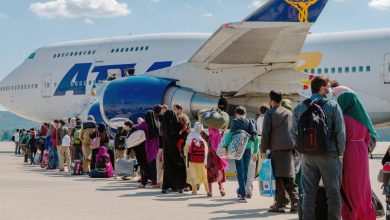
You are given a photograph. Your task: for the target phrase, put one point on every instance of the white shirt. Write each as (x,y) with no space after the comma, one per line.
(66,141)
(16,136)
(259,123)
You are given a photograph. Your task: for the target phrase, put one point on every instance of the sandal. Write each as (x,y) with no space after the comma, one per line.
(222,191)
(276,209)
(141,186)
(209,194)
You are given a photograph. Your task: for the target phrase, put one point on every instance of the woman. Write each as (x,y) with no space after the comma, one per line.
(104,139)
(357,203)
(151,127)
(174,166)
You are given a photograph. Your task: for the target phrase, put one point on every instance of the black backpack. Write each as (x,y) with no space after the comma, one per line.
(312,129)
(101,163)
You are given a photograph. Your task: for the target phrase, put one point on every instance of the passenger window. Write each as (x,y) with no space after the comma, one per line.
(312,71)
(368,68)
(89,52)
(333,70)
(127,49)
(361,69)
(132,48)
(71,54)
(85,52)
(117,50)
(142,48)
(306,70)
(326,71)
(136,49)
(147,48)
(340,69)
(112,50)
(94,51)
(122,49)
(54,56)
(80,53)
(354,69)
(319,71)
(36,85)
(346,69)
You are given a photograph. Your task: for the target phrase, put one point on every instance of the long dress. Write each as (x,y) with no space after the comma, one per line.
(356,178)
(174,165)
(215,165)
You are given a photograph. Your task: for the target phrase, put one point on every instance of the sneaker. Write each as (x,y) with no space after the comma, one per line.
(294,208)
(248,196)
(209,194)
(180,191)
(222,191)
(242,200)
(164,191)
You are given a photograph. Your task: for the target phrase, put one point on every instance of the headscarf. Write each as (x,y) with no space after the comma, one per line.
(196,133)
(170,125)
(337,91)
(286,103)
(351,106)
(153,124)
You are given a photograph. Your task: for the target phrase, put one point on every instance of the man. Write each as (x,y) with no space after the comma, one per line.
(119,142)
(276,137)
(85,136)
(16,140)
(327,165)
(76,152)
(63,146)
(164,108)
(249,126)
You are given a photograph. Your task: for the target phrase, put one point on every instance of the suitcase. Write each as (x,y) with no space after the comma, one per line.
(124,167)
(76,168)
(46,158)
(38,157)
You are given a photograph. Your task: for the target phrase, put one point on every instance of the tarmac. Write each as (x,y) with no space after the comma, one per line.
(30,192)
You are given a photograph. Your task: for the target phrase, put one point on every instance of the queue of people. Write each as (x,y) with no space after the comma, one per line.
(314,145)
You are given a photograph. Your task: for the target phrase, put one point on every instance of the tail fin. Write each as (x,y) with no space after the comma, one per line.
(288,11)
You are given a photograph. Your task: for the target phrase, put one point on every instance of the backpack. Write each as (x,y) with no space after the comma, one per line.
(101,162)
(312,129)
(76,136)
(197,154)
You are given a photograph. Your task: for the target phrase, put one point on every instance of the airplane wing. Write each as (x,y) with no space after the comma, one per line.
(274,33)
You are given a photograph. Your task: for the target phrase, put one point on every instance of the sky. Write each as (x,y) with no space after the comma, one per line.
(28,25)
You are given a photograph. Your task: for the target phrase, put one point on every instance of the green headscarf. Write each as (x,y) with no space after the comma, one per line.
(351,106)
(286,103)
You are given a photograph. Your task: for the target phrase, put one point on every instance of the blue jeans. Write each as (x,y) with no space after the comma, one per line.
(17,150)
(242,171)
(329,168)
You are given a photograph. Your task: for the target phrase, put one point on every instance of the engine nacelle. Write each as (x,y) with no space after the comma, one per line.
(94,110)
(131,97)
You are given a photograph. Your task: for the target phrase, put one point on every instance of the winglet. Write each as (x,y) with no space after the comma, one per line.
(288,11)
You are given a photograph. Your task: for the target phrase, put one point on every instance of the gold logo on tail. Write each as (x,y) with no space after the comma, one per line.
(303,8)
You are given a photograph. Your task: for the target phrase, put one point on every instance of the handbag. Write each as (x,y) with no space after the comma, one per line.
(135,139)
(95,143)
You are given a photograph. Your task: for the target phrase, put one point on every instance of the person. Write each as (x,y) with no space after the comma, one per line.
(356,185)
(286,103)
(55,136)
(174,166)
(263,109)
(85,136)
(119,143)
(140,120)
(184,131)
(16,140)
(242,165)
(277,123)
(334,83)
(164,108)
(158,110)
(215,165)
(104,168)
(32,148)
(327,165)
(64,151)
(337,91)
(104,140)
(178,109)
(151,127)
(76,143)
(195,151)
(25,142)
(140,155)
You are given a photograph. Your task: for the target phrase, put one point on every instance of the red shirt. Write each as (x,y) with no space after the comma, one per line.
(54,137)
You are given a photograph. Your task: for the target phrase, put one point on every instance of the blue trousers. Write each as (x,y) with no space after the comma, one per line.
(242,171)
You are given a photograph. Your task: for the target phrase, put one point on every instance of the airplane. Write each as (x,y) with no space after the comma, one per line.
(271,49)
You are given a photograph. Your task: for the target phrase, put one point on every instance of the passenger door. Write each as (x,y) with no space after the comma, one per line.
(386,68)
(46,86)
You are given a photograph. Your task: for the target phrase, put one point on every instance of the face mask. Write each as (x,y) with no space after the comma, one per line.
(330,94)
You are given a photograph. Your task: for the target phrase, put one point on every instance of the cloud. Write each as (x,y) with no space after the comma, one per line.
(256,4)
(88,21)
(208,15)
(188,6)
(379,4)
(3,15)
(80,8)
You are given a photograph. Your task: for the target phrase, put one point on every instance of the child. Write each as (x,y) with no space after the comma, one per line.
(103,166)
(32,148)
(196,152)
(185,121)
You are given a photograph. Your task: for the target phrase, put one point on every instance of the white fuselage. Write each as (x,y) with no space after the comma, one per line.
(32,89)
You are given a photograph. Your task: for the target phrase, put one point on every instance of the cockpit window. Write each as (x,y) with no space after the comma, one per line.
(31,56)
